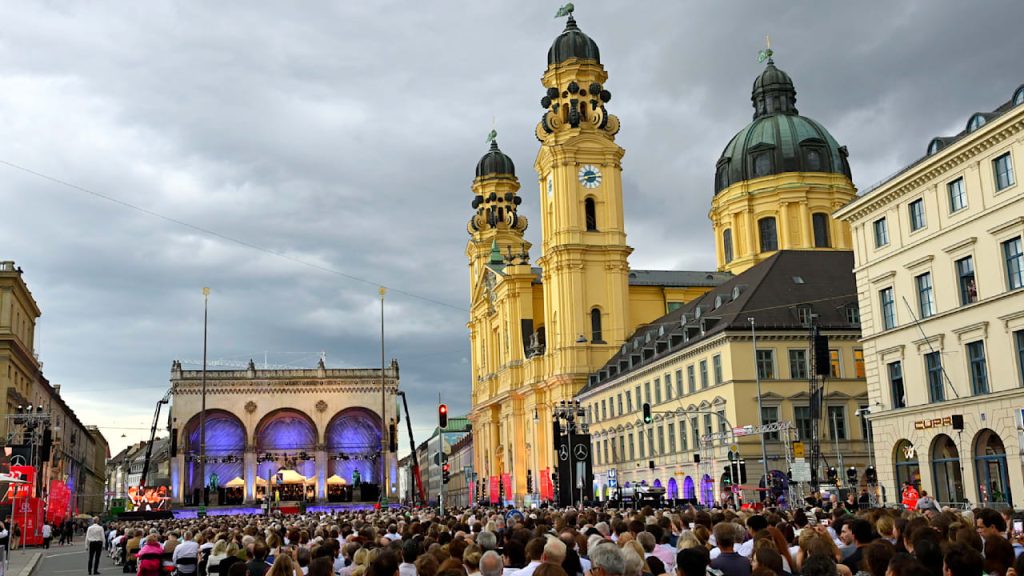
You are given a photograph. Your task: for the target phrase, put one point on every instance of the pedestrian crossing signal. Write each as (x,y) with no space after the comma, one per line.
(647,413)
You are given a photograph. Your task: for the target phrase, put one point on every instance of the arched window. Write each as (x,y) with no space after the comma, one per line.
(820,222)
(769,234)
(812,159)
(977,121)
(595,326)
(591,214)
(934,146)
(727,244)
(1018,96)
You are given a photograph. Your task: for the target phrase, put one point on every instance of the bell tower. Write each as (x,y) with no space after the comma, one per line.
(585,256)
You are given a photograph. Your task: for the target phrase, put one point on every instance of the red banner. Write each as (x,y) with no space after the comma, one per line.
(493,489)
(506,481)
(26,473)
(28,513)
(547,489)
(58,501)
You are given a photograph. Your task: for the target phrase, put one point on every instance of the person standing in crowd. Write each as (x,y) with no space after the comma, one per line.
(47,535)
(729,561)
(94,540)
(909,496)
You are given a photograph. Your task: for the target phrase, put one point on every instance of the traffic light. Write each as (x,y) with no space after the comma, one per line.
(442,416)
(445,472)
(871,475)
(833,475)
(727,477)
(647,413)
(743,471)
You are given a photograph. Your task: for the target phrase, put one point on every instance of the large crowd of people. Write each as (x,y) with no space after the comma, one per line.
(843,541)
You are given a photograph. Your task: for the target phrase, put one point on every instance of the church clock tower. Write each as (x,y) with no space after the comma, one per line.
(586,272)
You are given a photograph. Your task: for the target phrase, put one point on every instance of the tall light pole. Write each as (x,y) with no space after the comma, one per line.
(760,411)
(383,408)
(202,410)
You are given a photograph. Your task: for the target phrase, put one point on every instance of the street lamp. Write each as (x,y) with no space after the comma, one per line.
(202,410)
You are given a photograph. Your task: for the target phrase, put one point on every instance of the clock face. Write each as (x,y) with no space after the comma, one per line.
(590,176)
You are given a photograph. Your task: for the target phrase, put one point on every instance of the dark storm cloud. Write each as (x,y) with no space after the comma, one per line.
(345,135)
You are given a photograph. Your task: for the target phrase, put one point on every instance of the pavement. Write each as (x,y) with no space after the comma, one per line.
(67,560)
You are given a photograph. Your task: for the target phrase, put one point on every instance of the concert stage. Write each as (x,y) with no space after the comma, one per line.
(329,508)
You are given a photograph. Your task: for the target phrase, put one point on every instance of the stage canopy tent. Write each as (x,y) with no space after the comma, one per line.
(236,483)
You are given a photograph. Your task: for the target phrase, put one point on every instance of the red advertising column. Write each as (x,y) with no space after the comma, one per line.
(506,482)
(28,514)
(493,491)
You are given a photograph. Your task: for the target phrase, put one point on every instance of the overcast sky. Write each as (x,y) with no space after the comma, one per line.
(344,135)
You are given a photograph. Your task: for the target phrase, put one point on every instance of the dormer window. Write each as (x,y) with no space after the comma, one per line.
(976,121)
(1018,96)
(762,164)
(934,146)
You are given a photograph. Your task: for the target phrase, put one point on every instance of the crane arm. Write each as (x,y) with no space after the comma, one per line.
(144,480)
(412,454)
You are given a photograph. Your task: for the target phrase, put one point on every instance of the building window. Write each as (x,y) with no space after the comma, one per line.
(812,160)
(691,379)
(595,326)
(977,121)
(899,393)
(1018,337)
(1014,263)
(834,363)
(925,295)
(703,374)
(765,364)
(933,371)
(1018,96)
(647,392)
(858,363)
(650,441)
(639,400)
(820,225)
(606,460)
(888,308)
(632,448)
(770,415)
(682,436)
(604,410)
(976,359)
(643,450)
(853,314)
(965,277)
(1004,171)
(716,365)
(837,422)
(762,164)
(802,420)
(620,404)
(657,390)
(668,387)
(727,244)
(769,234)
(661,440)
(798,364)
(622,447)
(591,213)
(804,314)
(864,432)
(881,233)
(671,438)
(723,429)
(957,195)
(629,401)
(679,383)
(916,210)
(695,428)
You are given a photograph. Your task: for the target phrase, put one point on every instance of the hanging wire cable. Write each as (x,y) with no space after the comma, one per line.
(226,238)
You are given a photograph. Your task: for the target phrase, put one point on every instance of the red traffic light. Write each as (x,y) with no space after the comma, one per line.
(442,415)
(445,467)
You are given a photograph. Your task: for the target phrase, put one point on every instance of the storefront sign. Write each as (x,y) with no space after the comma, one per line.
(933,423)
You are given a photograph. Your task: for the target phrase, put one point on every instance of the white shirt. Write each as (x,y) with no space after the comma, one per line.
(186,549)
(527,570)
(406,569)
(47,531)
(94,533)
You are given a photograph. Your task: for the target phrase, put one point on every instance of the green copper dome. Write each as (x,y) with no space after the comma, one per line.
(779,140)
(573,43)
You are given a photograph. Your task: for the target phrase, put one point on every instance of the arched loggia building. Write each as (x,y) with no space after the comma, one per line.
(300,426)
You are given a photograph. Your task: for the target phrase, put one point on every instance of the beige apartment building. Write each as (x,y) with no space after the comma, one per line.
(939,269)
(696,367)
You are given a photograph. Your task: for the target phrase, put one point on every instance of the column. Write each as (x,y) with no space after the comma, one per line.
(249,472)
(321,473)
(177,479)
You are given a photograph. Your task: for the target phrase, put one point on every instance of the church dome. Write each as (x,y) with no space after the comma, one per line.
(779,140)
(495,162)
(573,43)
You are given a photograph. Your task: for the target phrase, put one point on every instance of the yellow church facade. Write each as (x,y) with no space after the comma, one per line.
(539,333)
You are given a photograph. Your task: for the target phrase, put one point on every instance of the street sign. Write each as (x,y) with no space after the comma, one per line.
(798,449)
(739,431)
(801,471)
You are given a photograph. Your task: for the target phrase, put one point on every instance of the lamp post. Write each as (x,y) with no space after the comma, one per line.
(202,409)
(383,408)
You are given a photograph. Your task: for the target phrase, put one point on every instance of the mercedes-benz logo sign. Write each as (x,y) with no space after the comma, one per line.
(580,451)
(563,452)
(18,460)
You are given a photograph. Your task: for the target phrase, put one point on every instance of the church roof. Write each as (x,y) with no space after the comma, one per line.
(668,278)
(573,43)
(772,292)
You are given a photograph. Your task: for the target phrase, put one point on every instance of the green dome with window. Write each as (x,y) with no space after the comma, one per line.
(778,140)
